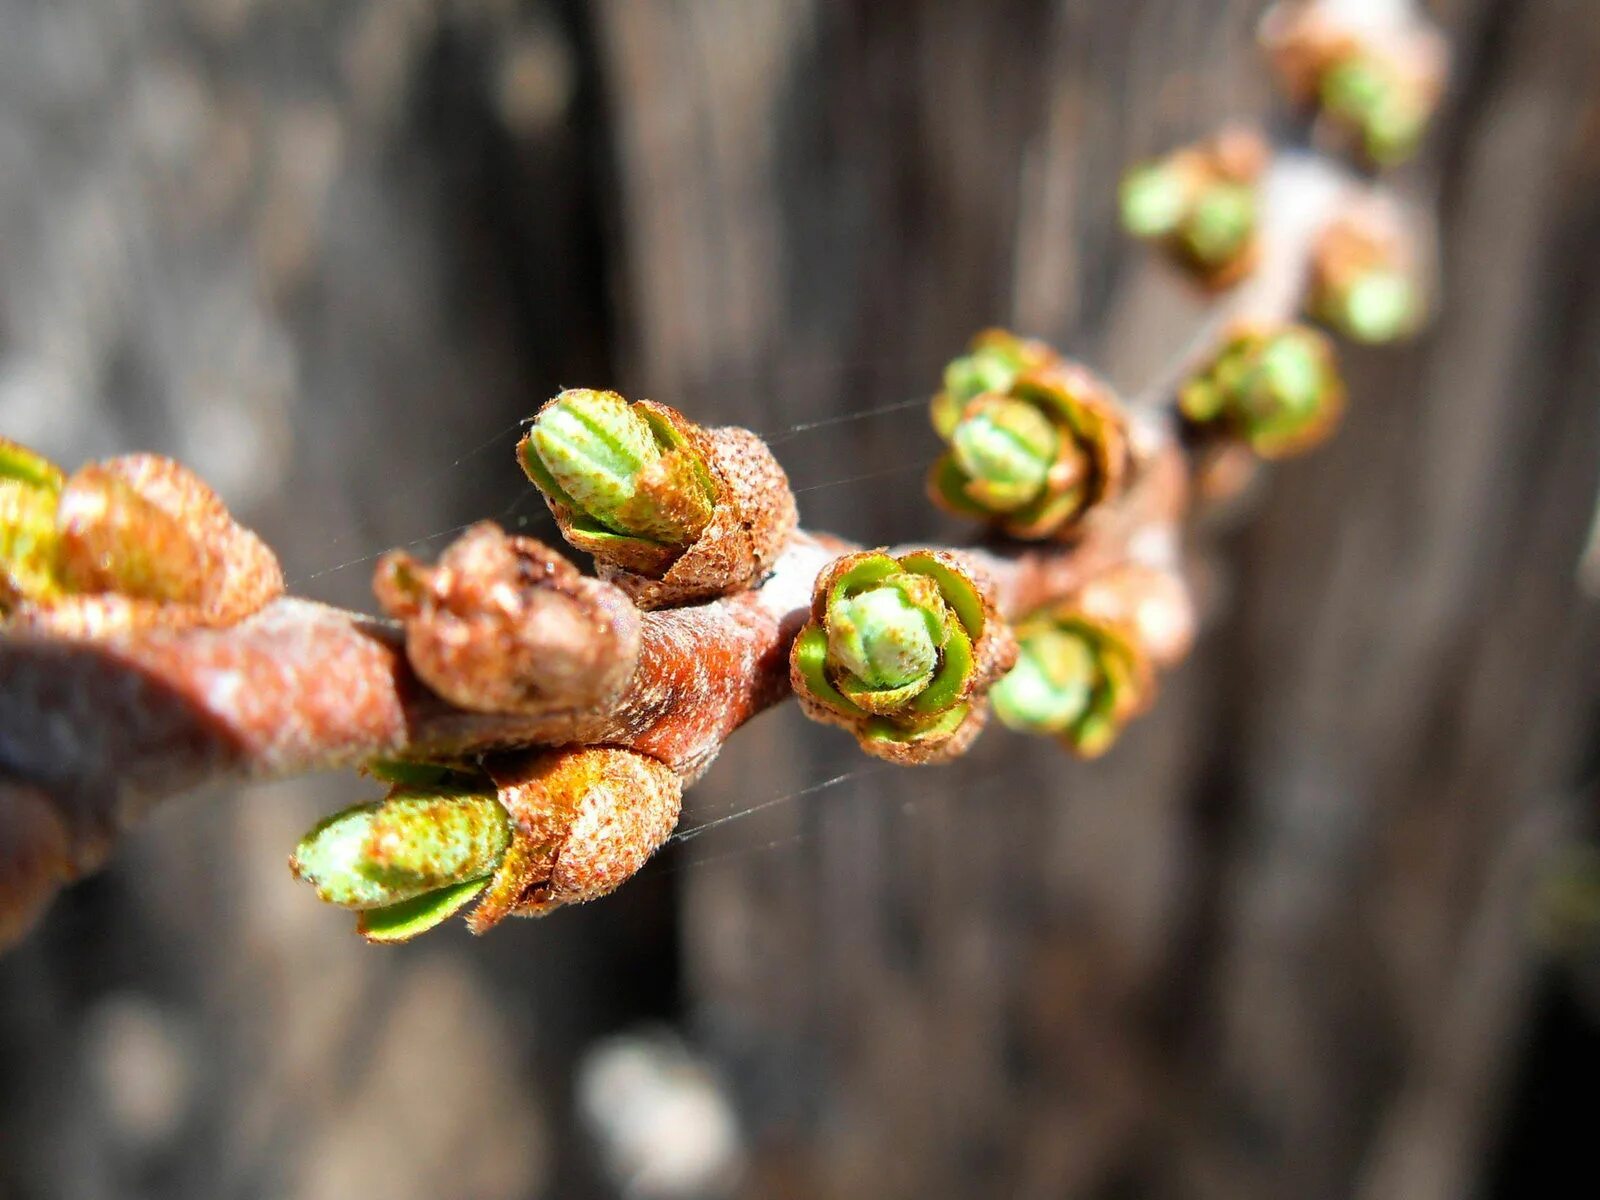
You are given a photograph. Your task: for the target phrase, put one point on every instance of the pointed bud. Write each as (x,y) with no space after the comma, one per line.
(584,821)
(900,651)
(672,512)
(1275,388)
(521,834)
(1037,457)
(1077,679)
(414,841)
(616,468)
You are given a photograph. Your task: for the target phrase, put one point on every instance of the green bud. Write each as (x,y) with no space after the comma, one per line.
(1006,448)
(1154,200)
(894,649)
(1221,223)
(1364,92)
(882,637)
(989,369)
(30,489)
(21,465)
(1356,87)
(613,465)
(1378,307)
(1286,379)
(1277,390)
(410,844)
(1051,685)
(1076,679)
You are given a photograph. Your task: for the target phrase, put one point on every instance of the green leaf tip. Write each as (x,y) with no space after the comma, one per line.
(410,844)
(620,466)
(884,636)
(409,918)
(1005,448)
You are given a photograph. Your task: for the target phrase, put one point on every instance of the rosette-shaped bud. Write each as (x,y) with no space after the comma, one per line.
(1365,280)
(129,542)
(901,651)
(1199,204)
(1079,679)
(671,511)
(1378,81)
(506,624)
(1275,388)
(521,836)
(1036,448)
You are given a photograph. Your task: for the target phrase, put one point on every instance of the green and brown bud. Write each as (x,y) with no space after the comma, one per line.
(1377,83)
(900,650)
(1037,453)
(671,511)
(1274,387)
(1365,281)
(1199,203)
(1078,679)
(422,837)
(520,835)
(622,469)
(129,542)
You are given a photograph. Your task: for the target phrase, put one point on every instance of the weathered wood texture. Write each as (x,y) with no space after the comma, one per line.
(1273,946)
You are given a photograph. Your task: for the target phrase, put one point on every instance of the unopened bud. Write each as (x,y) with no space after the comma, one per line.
(611,463)
(900,651)
(1032,458)
(1275,388)
(410,843)
(1007,448)
(1077,679)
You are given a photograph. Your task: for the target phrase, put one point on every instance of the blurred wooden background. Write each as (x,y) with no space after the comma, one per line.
(1277,944)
